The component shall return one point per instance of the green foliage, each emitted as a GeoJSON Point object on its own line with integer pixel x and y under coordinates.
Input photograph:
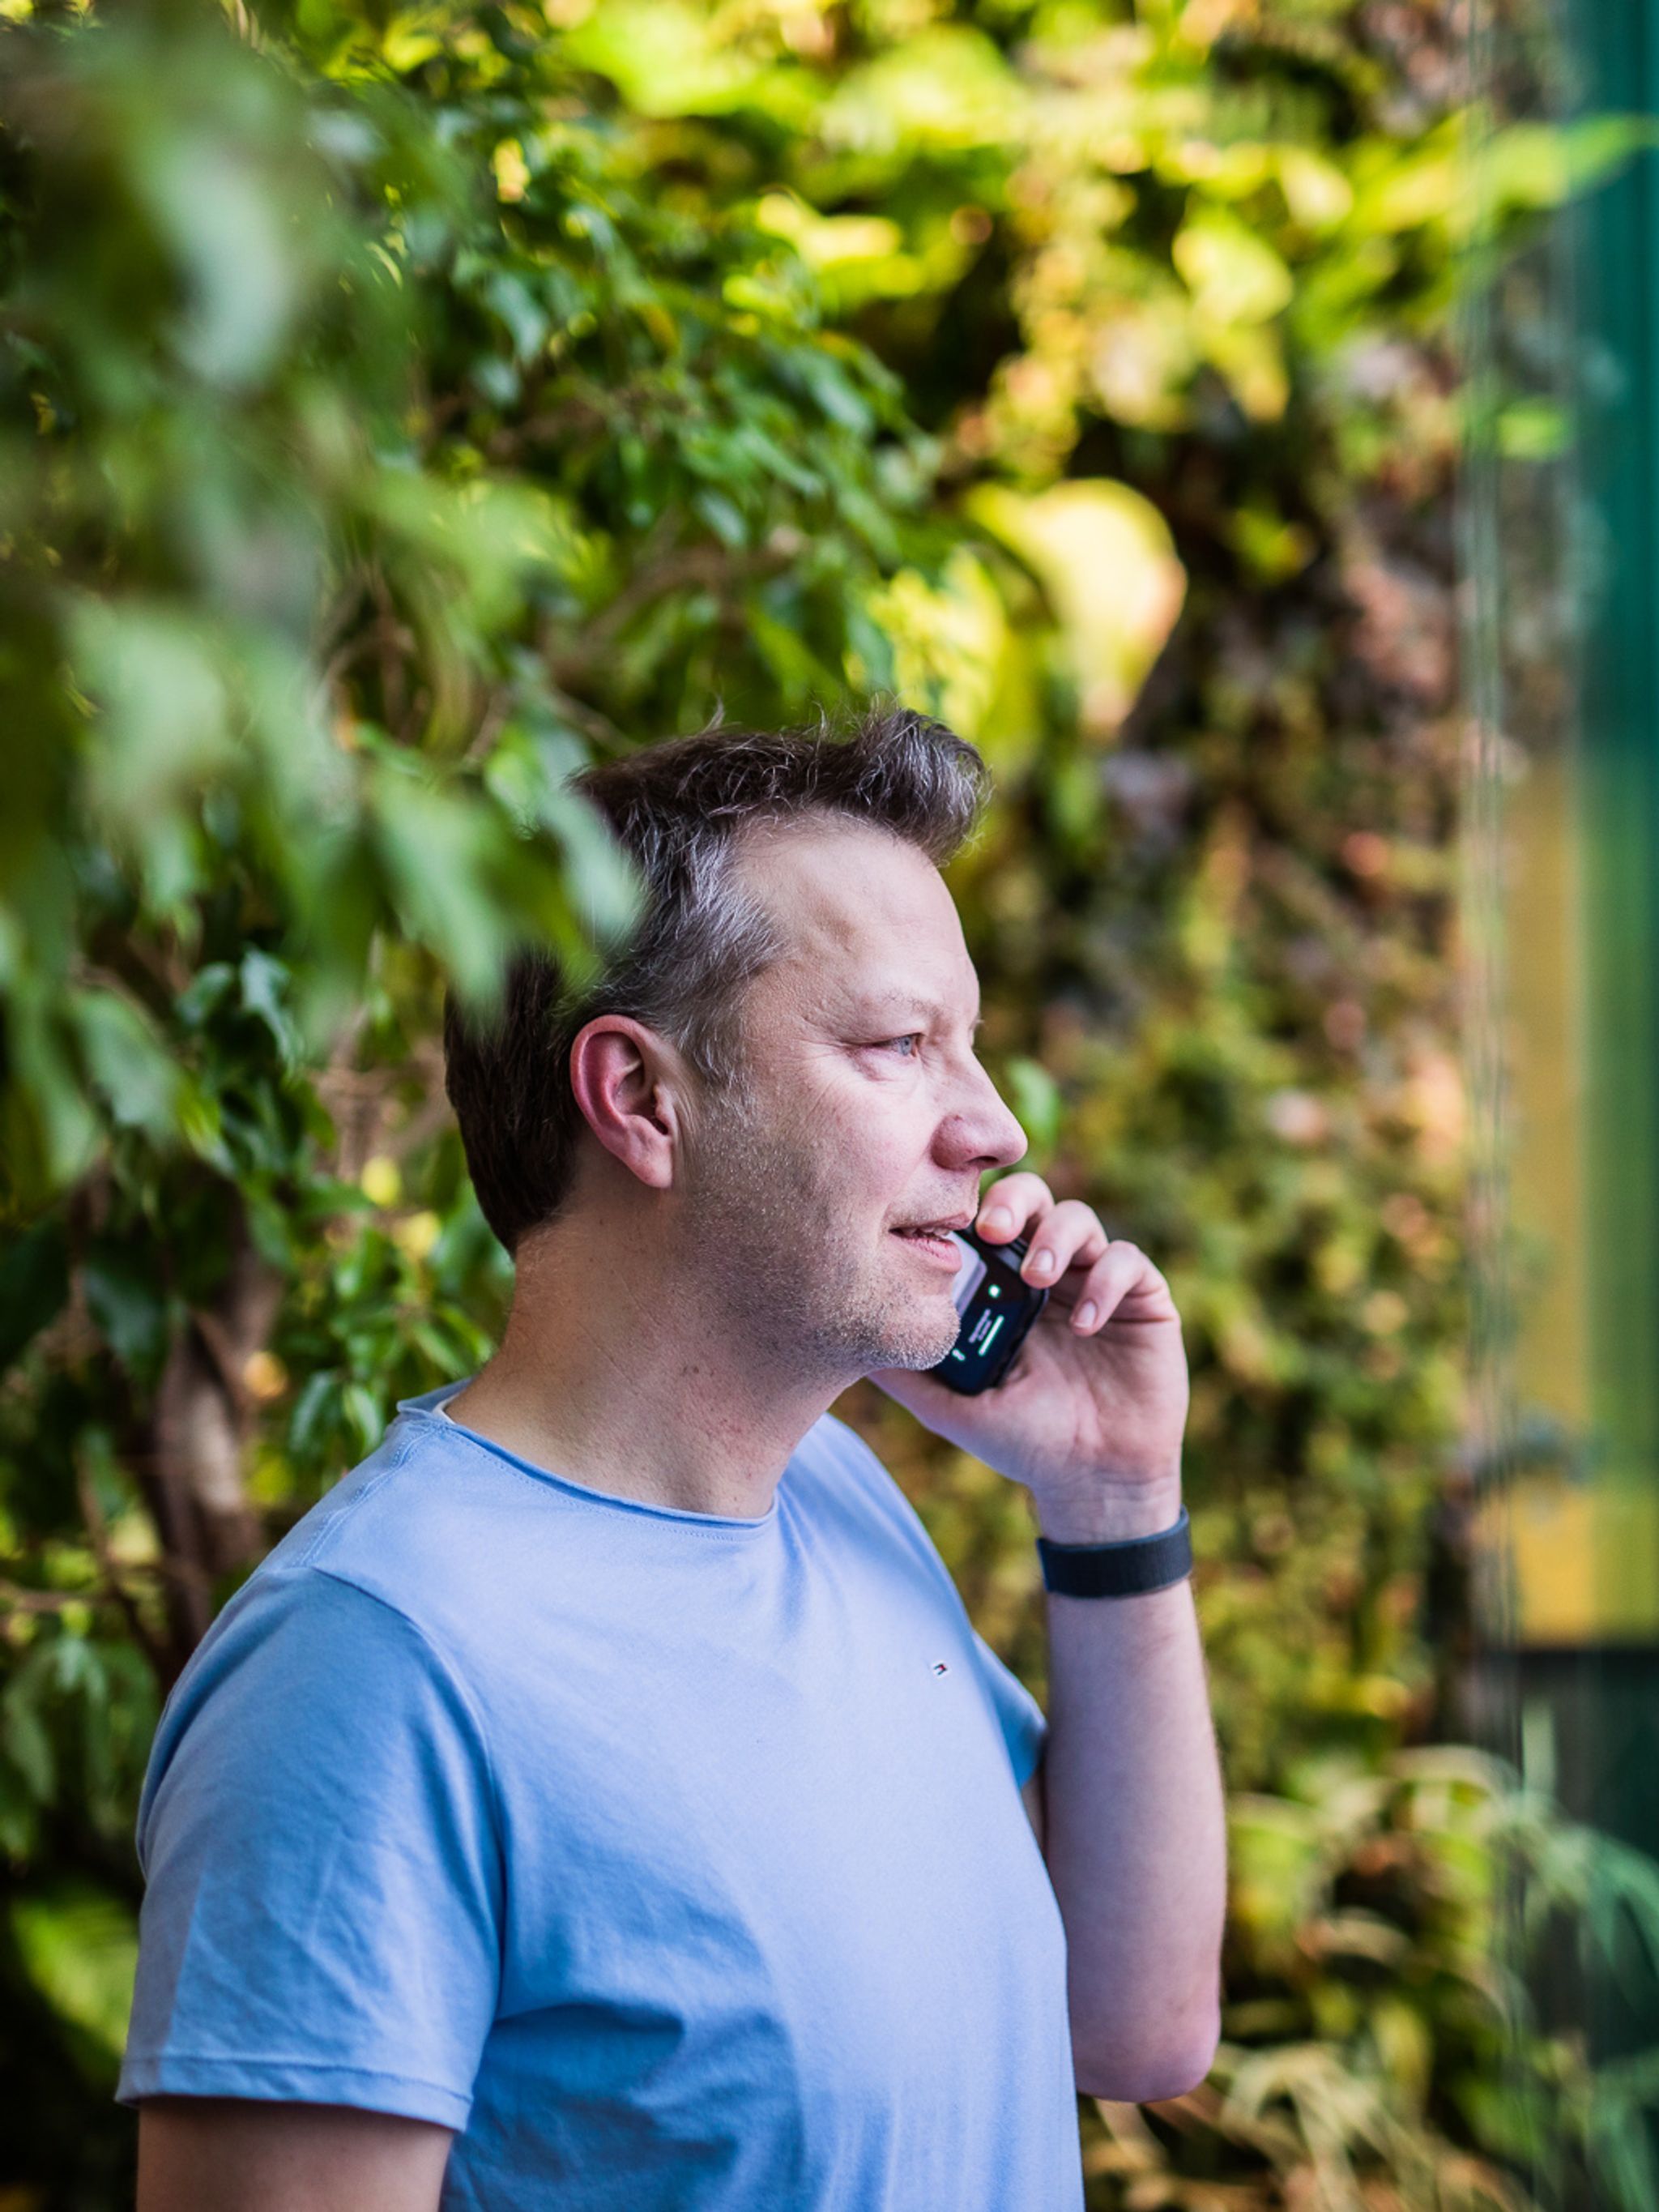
{"type": "Point", "coordinates": [80, 1947]}
{"type": "Point", "coordinates": [1378, 2024]}
{"type": "Point", "coordinates": [399, 407]}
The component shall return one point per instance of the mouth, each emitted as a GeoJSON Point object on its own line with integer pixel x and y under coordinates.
{"type": "Point", "coordinates": [936, 1243]}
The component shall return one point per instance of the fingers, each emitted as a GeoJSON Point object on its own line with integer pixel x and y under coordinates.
{"type": "Point", "coordinates": [1061, 1235]}
{"type": "Point", "coordinates": [1008, 1205]}
{"type": "Point", "coordinates": [1123, 1273]}
{"type": "Point", "coordinates": [1070, 1235]}
{"type": "Point", "coordinates": [1064, 1236]}
{"type": "Point", "coordinates": [1123, 1285]}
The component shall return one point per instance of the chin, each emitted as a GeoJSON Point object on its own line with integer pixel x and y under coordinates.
{"type": "Point", "coordinates": [918, 1348]}
{"type": "Point", "coordinates": [917, 1362]}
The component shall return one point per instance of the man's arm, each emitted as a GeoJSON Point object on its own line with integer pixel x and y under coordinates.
{"type": "Point", "coordinates": [237, 2154]}
{"type": "Point", "coordinates": [1031, 1792]}
{"type": "Point", "coordinates": [1090, 1418]}
{"type": "Point", "coordinates": [1133, 1823]}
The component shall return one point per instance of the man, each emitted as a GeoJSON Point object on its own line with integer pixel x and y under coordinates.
{"type": "Point", "coordinates": [600, 1799]}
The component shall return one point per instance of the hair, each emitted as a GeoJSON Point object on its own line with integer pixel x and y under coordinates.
{"type": "Point", "coordinates": [681, 809]}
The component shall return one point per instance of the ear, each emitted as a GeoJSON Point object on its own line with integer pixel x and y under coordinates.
{"type": "Point", "coordinates": [630, 1085]}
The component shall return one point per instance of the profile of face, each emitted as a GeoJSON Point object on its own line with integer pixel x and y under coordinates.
{"type": "Point", "coordinates": [870, 1112]}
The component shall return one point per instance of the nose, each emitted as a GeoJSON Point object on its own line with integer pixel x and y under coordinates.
{"type": "Point", "coordinates": [981, 1132]}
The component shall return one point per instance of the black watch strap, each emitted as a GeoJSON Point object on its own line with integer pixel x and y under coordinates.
{"type": "Point", "coordinates": [1125, 1570]}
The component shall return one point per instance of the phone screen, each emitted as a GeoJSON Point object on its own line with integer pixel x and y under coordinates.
{"type": "Point", "coordinates": [969, 1275]}
{"type": "Point", "coordinates": [995, 1307]}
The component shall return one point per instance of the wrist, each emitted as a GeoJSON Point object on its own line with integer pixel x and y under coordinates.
{"type": "Point", "coordinates": [1111, 1509]}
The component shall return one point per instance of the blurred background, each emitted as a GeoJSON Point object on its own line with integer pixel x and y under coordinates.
{"type": "Point", "coordinates": [1237, 418]}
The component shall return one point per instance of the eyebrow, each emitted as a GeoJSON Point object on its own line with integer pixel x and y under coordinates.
{"type": "Point", "coordinates": [885, 1003]}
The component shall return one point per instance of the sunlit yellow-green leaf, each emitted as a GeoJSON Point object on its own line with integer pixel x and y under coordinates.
{"type": "Point", "coordinates": [1107, 563]}
{"type": "Point", "coordinates": [949, 86]}
{"type": "Point", "coordinates": [1316, 191]}
{"type": "Point", "coordinates": [1234, 275]}
{"type": "Point", "coordinates": [667, 56]}
{"type": "Point", "coordinates": [1251, 357]}
{"type": "Point", "coordinates": [827, 241]}
{"type": "Point", "coordinates": [948, 642]}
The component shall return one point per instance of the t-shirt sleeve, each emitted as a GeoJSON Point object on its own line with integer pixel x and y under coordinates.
{"type": "Point", "coordinates": [1023, 1728]}
{"type": "Point", "coordinates": [321, 1920]}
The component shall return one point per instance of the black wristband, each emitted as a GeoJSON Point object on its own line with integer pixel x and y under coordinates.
{"type": "Point", "coordinates": [1125, 1570]}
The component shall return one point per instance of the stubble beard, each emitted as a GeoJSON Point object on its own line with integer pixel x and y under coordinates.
{"type": "Point", "coordinates": [784, 1270]}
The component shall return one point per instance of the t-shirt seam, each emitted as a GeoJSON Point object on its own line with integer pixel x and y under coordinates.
{"type": "Point", "coordinates": [276, 1566]}
{"type": "Point", "coordinates": [167, 2054]}
{"type": "Point", "coordinates": [699, 1525]}
{"type": "Point", "coordinates": [344, 1513]}
{"type": "Point", "coordinates": [453, 1676]}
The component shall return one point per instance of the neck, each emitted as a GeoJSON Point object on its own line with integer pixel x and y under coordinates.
{"type": "Point", "coordinates": [617, 1370]}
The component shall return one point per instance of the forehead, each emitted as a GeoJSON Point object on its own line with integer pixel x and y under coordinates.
{"type": "Point", "coordinates": [863, 913]}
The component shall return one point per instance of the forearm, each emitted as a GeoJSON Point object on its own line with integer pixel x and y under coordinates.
{"type": "Point", "coordinates": [1135, 1834]}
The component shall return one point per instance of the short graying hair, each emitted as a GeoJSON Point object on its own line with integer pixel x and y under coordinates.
{"type": "Point", "coordinates": [680, 808]}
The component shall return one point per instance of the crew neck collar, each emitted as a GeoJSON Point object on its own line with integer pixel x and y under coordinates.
{"type": "Point", "coordinates": [429, 1407]}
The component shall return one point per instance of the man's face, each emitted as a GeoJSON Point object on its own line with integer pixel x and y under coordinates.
{"type": "Point", "coordinates": [870, 1110]}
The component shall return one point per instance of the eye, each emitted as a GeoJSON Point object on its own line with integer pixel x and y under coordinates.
{"type": "Point", "coordinates": [913, 1037]}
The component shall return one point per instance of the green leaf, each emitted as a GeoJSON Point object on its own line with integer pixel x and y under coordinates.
{"type": "Point", "coordinates": [79, 1946]}
{"type": "Point", "coordinates": [33, 1285]}
{"type": "Point", "coordinates": [163, 728]}
{"type": "Point", "coordinates": [666, 57]}
{"type": "Point", "coordinates": [1037, 1102]}
{"type": "Point", "coordinates": [127, 1060]}
{"type": "Point", "coordinates": [1234, 275]}
{"type": "Point", "coordinates": [266, 984]}
{"type": "Point", "coordinates": [364, 1415]}
{"type": "Point", "coordinates": [24, 1741]}
{"type": "Point", "coordinates": [438, 849]}
{"type": "Point", "coordinates": [237, 248]}
{"type": "Point", "coordinates": [126, 1299]}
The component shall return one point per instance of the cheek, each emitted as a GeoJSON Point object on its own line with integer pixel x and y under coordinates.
{"type": "Point", "coordinates": [888, 1148]}
{"type": "Point", "coordinates": [870, 1131]}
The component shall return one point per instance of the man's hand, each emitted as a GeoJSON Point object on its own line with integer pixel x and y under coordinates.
{"type": "Point", "coordinates": [1091, 1414]}
{"type": "Point", "coordinates": [1131, 1824]}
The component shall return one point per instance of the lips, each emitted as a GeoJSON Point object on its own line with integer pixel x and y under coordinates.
{"type": "Point", "coordinates": [934, 1244]}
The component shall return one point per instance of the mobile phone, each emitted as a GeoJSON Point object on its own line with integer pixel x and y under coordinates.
{"type": "Point", "coordinates": [997, 1308]}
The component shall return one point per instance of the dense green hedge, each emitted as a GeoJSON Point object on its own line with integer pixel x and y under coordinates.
{"type": "Point", "coordinates": [399, 407]}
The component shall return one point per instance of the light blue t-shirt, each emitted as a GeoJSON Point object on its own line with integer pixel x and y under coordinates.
{"type": "Point", "coordinates": [677, 1862]}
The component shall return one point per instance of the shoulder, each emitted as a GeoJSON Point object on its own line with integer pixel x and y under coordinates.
{"type": "Point", "coordinates": [372, 1587]}
{"type": "Point", "coordinates": [424, 1527]}
{"type": "Point", "coordinates": [837, 1474]}
{"type": "Point", "coordinates": [833, 1441]}
{"type": "Point", "coordinates": [302, 1636]}
{"type": "Point", "coordinates": [833, 1454]}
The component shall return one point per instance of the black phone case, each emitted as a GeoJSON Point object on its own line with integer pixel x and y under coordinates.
{"type": "Point", "coordinates": [999, 1313]}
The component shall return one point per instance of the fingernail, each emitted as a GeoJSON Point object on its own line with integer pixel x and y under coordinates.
{"type": "Point", "coordinates": [1041, 1263]}
{"type": "Point", "coordinates": [1084, 1317]}
{"type": "Point", "coordinates": [998, 1218]}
